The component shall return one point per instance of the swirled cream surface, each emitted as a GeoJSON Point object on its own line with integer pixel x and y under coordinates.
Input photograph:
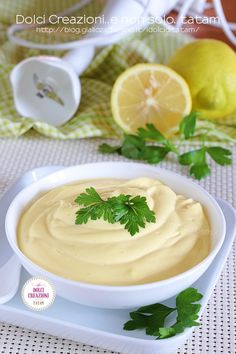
{"type": "Point", "coordinates": [103, 253]}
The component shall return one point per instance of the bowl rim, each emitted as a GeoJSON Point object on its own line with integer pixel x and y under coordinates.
{"type": "Point", "coordinates": [160, 283]}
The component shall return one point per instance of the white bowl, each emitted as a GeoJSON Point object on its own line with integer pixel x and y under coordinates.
{"type": "Point", "coordinates": [118, 296]}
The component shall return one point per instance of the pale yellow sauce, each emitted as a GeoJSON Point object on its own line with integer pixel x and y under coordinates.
{"type": "Point", "coordinates": [103, 253]}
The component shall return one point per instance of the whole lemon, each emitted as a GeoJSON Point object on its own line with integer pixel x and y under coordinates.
{"type": "Point", "coordinates": [209, 68]}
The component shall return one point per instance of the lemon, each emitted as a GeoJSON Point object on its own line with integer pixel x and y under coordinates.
{"type": "Point", "coordinates": [149, 93]}
{"type": "Point", "coordinates": [209, 67]}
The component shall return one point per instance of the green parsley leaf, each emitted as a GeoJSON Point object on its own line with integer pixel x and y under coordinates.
{"type": "Point", "coordinates": [154, 154]}
{"type": "Point", "coordinates": [107, 149]}
{"type": "Point", "coordinates": [220, 155]}
{"type": "Point", "coordinates": [151, 133]}
{"type": "Point", "coordinates": [188, 295]}
{"type": "Point", "coordinates": [95, 208]}
{"type": "Point", "coordinates": [200, 171]}
{"type": "Point", "coordinates": [138, 147]}
{"type": "Point", "coordinates": [152, 317]}
{"type": "Point", "coordinates": [91, 196]}
{"type": "Point", "coordinates": [132, 147]}
{"type": "Point", "coordinates": [166, 332]}
{"type": "Point", "coordinates": [149, 319]}
{"type": "Point", "coordinates": [186, 309]}
{"type": "Point", "coordinates": [188, 124]}
{"type": "Point", "coordinates": [132, 212]}
{"type": "Point", "coordinates": [192, 157]}
{"type": "Point", "coordinates": [139, 321]}
{"type": "Point", "coordinates": [135, 146]}
{"type": "Point", "coordinates": [197, 160]}
{"type": "Point", "coordinates": [187, 313]}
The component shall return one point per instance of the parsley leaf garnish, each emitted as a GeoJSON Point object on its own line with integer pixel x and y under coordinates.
{"type": "Point", "coordinates": [151, 146]}
{"type": "Point", "coordinates": [154, 154]}
{"type": "Point", "coordinates": [152, 317]}
{"type": "Point", "coordinates": [135, 147]}
{"type": "Point", "coordinates": [151, 133]}
{"type": "Point", "coordinates": [197, 160]}
{"type": "Point", "coordinates": [95, 208]}
{"type": "Point", "coordinates": [132, 147]}
{"type": "Point", "coordinates": [188, 124]}
{"type": "Point", "coordinates": [107, 149]}
{"type": "Point", "coordinates": [220, 155]}
{"type": "Point", "coordinates": [132, 212]}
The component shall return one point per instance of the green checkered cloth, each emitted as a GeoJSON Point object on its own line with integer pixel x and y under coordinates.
{"type": "Point", "coordinates": [93, 118]}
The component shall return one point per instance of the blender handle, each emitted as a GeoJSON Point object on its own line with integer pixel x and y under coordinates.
{"type": "Point", "coordinates": [80, 58]}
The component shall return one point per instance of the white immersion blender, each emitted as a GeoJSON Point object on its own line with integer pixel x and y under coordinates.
{"type": "Point", "coordinates": [47, 88]}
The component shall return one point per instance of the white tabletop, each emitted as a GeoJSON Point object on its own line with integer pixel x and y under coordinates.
{"type": "Point", "coordinates": [218, 330]}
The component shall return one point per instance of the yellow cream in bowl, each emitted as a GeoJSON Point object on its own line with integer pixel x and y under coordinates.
{"type": "Point", "coordinates": [103, 253]}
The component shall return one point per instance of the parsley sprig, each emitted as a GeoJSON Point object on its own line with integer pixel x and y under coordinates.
{"type": "Point", "coordinates": [152, 317]}
{"type": "Point", "coordinates": [132, 212]}
{"type": "Point", "coordinates": [197, 159]}
{"type": "Point", "coordinates": [138, 147]}
{"type": "Point", "coordinates": [135, 146]}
